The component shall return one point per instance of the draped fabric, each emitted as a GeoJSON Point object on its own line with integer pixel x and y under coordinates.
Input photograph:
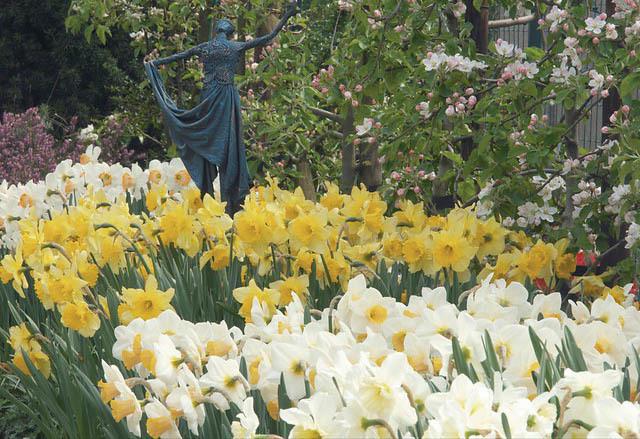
{"type": "Point", "coordinates": [208, 135]}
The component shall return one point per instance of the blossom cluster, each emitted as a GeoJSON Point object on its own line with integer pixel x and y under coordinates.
{"type": "Point", "coordinates": [423, 367]}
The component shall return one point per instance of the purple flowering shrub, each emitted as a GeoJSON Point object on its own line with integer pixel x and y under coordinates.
{"type": "Point", "coordinates": [28, 150]}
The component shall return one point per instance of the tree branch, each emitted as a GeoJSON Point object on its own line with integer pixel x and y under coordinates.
{"type": "Point", "coordinates": [326, 114]}
{"type": "Point", "coordinates": [506, 22]}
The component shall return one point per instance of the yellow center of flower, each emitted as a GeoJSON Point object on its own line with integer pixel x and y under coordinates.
{"type": "Point", "coordinates": [303, 433]}
{"type": "Point", "coordinates": [397, 340]}
{"type": "Point", "coordinates": [108, 391]}
{"type": "Point", "coordinates": [155, 176]}
{"type": "Point", "coordinates": [377, 314]}
{"type": "Point", "coordinates": [68, 186]}
{"type": "Point", "coordinates": [218, 348]}
{"type": "Point", "coordinates": [297, 368]}
{"type": "Point", "coordinates": [158, 426]}
{"type": "Point", "coordinates": [182, 178]}
{"type": "Point", "coordinates": [127, 181]}
{"type": "Point", "coordinates": [121, 408]}
{"type": "Point", "coordinates": [106, 178]}
{"type": "Point", "coordinates": [25, 201]}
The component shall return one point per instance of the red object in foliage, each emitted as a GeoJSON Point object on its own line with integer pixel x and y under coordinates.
{"type": "Point", "coordinates": [540, 284]}
{"type": "Point", "coordinates": [582, 256]}
{"type": "Point", "coordinates": [634, 288]}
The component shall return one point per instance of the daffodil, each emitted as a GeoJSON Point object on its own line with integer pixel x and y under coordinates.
{"type": "Point", "coordinates": [38, 359]}
{"type": "Point", "coordinates": [145, 304]}
{"type": "Point", "coordinates": [417, 252]}
{"type": "Point", "coordinates": [298, 285]}
{"type": "Point", "coordinates": [490, 238]}
{"type": "Point", "coordinates": [332, 198]}
{"type": "Point", "coordinates": [161, 423]}
{"type": "Point", "coordinates": [452, 250]}
{"type": "Point", "coordinates": [246, 296]}
{"type": "Point", "coordinates": [14, 269]}
{"type": "Point", "coordinates": [225, 375]}
{"type": "Point", "coordinates": [79, 317]}
{"type": "Point", "coordinates": [310, 231]}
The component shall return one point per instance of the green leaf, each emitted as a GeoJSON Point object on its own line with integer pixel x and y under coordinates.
{"type": "Point", "coordinates": [505, 426]}
{"type": "Point", "coordinates": [534, 53]}
{"type": "Point", "coordinates": [101, 32]}
{"type": "Point", "coordinates": [87, 33]}
{"type": "Point", "coordinates": [453, 156]}
{"type": "Point", "coordinates": [629, 85]}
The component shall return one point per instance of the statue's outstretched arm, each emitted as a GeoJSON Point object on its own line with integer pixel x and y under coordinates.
{"type": "Point", "coordinates": [261, 41]}
{"type": "Point", "coordinates": [178, 56]}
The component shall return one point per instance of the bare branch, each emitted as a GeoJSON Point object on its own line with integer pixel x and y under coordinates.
{"type": "Point", "coordinates": [326, 114]}
{"type": "Point", "coordinates": [506, 22]}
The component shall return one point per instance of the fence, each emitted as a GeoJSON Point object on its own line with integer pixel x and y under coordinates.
{"type": "Point", "coordinates": [524, 35]}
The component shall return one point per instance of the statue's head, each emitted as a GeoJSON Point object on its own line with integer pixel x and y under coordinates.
{"type": "Point", "coordinates": [225, 27]}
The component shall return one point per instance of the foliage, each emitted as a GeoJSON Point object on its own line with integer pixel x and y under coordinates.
{"type": "Point", "coordinates": [42, 64]}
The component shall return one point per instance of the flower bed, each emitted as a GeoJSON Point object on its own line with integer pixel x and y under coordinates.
{"type": "Point", "coordinates": [340, 317]}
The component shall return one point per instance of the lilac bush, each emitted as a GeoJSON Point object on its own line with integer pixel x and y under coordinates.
{"type": "Point", "coordinates": [28, 150]}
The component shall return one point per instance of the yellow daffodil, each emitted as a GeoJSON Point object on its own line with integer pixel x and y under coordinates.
{"type": "Point", "coordinates": [490, 238]}
{"type": "Point", "coordinates": [309, 230]}
{"type": "Point", "coordinates": [144, 303]}
{"type": "Point", "coordinates": [79, 317]}
{"type": "Point", "coordinates": [246, 295]}
{"type": "Point", "coordinates": [13, 266]}
{"type": "Point", "coordinates": [452, 250]}
{"type": "Point", "coordinates": [293, 284]}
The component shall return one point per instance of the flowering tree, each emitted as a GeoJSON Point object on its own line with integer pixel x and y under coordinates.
{"type": "Point", "coordinates": [414, 88]}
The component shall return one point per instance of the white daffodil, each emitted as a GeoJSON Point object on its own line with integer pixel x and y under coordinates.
{"type": "Point", "coordinates": [381, 392]}
{"type": "Point", "coordinates": [165, 359]}
{"type": "Point", "coordinates": [291, 361]}
{"type": "Point", "coordinates": [313, 417]}
{"type": "Point", "coordinates": [247, 424]}
{"type": "Point", "coordinates": [216, 339]}
{"type": "Point", "coordinates": [615, 419]}
{"type": "Point", "coordinates": [586, 388]}
{"type": "Point", "coordinates": [224, 375]}
{"type": "Point", "coordinates": [187, 399]}
{"type": "Point", "coordinates": [160, 421]}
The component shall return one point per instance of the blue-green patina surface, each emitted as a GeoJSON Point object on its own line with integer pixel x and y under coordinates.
{"type": "Point", "coordinates": [209, 136]}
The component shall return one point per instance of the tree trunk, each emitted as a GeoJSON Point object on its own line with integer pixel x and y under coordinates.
{"type": "Point", "coordinates": [480, 22]}
{"type": "Point", "coordinates": [348, 177]}
{"type": "Point", "coordinates": [305, 181]}
{"type": "Point", "coordinates": [205, 25]}
{"type": "Point", "coordinates": [370, 169]}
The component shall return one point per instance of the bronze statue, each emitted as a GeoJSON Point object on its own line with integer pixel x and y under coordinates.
{"type": "Point", "coordinates": [209, 136]}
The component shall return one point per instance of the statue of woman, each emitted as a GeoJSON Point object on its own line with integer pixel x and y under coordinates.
{"type": "Point", "coordinates": [209, 136]}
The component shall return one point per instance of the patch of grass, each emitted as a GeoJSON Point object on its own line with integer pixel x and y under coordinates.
{"type": "Point", "coordinates": [13, 423]}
